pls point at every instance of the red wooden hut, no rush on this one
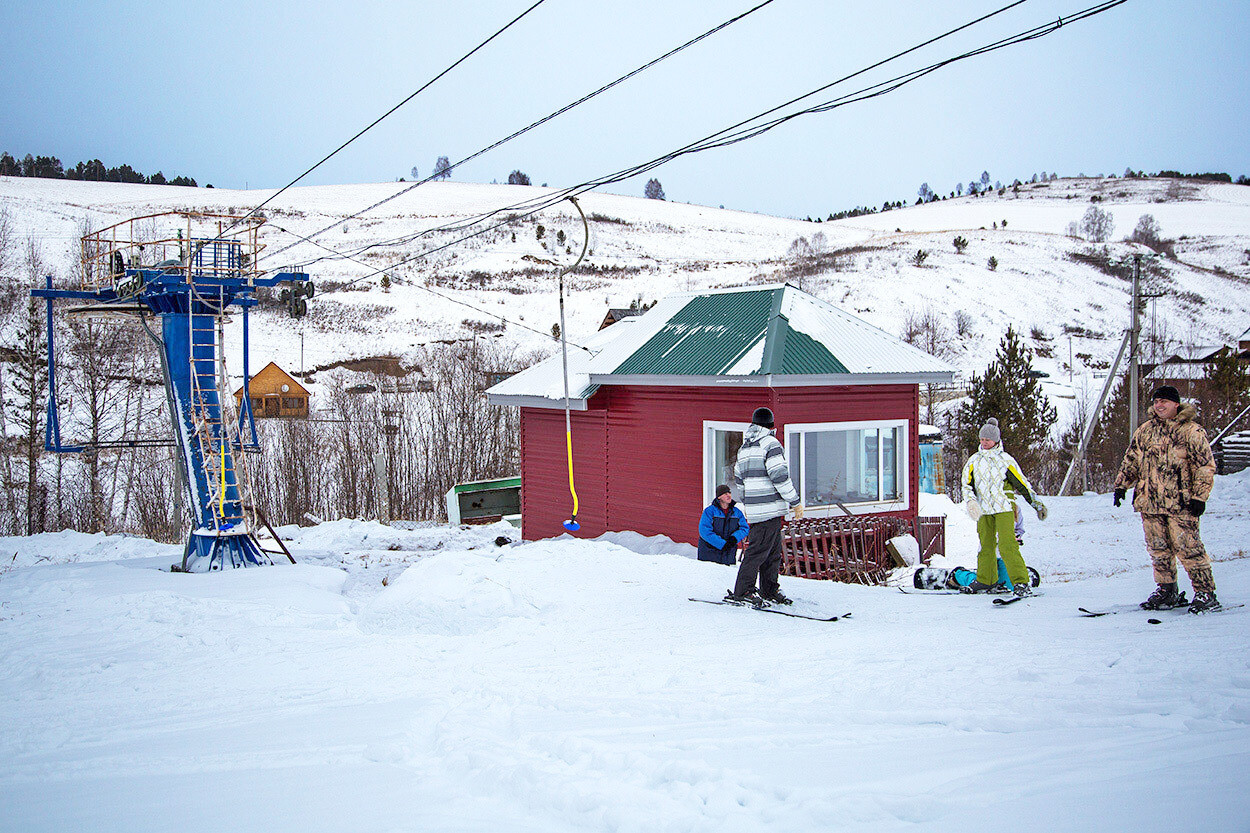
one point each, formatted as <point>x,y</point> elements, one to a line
<point>659,403</point>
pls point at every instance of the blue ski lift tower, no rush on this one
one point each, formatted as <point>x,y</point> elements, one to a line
<point>178,274</point>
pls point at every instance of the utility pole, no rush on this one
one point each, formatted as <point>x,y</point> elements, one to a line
<point>1134,334</point>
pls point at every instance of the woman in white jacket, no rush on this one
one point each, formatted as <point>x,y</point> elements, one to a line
<point>993,478</point>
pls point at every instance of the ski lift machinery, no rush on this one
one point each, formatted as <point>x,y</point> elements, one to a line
<point>187,280</point>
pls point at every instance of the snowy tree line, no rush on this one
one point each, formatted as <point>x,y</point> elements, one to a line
<point>50,167</point>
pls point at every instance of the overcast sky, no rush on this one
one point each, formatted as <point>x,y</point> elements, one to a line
<point>251,94</point>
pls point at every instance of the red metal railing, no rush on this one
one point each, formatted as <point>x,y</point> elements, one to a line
<point>853,549</point>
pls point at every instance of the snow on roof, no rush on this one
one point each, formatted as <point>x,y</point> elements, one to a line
<point>762,336</point>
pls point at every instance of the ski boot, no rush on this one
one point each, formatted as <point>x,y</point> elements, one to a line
<point>752,598</point>
<point>1022,589</point>
<point>778,598</point>
<point>1204,602</point>
<point>1165,597</point>
<point>976,587</point>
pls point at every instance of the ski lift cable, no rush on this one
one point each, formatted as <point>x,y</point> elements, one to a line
<point>441,173</point>
<point>728,135</point>
<point>535,204</point>
<point>454,300</point>
<point>378,120</point>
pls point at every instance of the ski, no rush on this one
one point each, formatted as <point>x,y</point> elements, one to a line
<point>1182,604</point>
<point>1010,600</point>
<point>772,610</point>
<point>916,591</point>
<point>1117,609</point>
<point>1222,608</point>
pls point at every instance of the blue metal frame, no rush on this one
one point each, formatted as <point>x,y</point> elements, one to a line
<point>188,306</point>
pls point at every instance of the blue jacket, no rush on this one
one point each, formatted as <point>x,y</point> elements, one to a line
<point>720,532</point>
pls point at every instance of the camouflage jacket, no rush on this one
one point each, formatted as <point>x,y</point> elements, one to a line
<point>1168,463</point>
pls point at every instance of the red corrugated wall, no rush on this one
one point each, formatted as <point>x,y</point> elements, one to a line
<point>638,453</point>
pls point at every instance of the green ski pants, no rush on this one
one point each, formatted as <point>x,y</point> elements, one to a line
<point>998,532</point>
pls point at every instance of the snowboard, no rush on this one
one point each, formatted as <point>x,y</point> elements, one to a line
<point>938,578</point>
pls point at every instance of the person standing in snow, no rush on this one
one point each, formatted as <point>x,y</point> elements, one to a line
<point>722,529</point>
<point>1171,470</point>
<point>993,478</point>
<point>763,479</point>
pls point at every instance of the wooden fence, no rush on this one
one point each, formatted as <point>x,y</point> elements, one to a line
<point>853,549</point>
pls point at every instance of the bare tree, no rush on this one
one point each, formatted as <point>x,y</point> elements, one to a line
<point>1097,225</point>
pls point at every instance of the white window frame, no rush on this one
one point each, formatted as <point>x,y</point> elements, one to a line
<point>794,445</point>
<point>710,427</point>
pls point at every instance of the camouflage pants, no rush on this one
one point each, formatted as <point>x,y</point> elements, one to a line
<point>1169,537</point>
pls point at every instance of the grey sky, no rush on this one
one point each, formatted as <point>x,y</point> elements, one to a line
<point>237,94</point>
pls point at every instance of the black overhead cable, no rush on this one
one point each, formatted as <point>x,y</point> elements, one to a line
<point>741,130</point>
<point>730,135</point>
<point>375,122</point>
<point>444,171</point>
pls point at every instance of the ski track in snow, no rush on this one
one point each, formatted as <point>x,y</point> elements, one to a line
<point>568,685</point>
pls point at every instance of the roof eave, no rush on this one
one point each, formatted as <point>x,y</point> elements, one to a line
<point>522,401</point>
<point>776,380</point>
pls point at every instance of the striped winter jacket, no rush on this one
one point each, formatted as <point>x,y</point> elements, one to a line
<point>763,476</point>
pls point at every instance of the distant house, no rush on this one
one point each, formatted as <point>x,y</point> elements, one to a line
<point>275,394</point>
<point>615,315</point>
<point>659,403</point>
<point>1186,369</point>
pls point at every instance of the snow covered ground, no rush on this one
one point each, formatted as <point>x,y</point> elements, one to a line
<point>432,679</point>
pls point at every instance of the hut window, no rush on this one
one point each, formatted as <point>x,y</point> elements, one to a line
<point>292,402</point>
<point>849,463</point>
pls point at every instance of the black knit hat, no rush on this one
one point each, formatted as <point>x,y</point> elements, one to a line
<point>762,416</point>
<point>722,489</point>
<point>1166,392</point>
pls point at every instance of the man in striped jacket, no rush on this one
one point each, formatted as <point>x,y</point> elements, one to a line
<point>763,479</point>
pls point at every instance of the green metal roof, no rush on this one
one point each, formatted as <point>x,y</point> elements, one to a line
<point>711,333</point>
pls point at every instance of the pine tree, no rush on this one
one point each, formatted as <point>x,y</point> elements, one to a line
<point>653,190</point>
<point>1226,391</point>
<point>1009,392</point>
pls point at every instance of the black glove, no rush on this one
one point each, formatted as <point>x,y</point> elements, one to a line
<point>1117,497</point>
<point>1197,507</point>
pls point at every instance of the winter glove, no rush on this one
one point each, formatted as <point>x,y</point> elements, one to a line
<point>798,512</point>
<point>974,508</point>
<point>1197,507</point>
<point>1041,510</point>
<point>1117,497</point>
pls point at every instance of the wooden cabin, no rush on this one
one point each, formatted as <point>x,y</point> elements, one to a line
<point>275,393</point>
<point>659,403</point>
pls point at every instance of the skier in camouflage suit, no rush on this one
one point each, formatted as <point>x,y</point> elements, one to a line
<point>1170,468</point>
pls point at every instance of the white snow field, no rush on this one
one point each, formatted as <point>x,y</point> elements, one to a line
<point>568,685</point>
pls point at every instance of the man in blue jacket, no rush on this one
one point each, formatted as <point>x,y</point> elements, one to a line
<point>722,529</point>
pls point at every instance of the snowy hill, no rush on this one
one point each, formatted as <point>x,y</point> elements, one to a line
<point>645,249</point>
<point>434,680</point>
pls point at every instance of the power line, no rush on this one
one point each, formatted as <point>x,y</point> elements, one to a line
<point>374,123</point>
<point>738,132</point>
<point>742,130</point>
<point>539,123</point>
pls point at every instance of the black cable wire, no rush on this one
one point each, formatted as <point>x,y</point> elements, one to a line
<point>446,171</point>
<point>730,135</point>
<point>370,126</point>
<point>740,131</point>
